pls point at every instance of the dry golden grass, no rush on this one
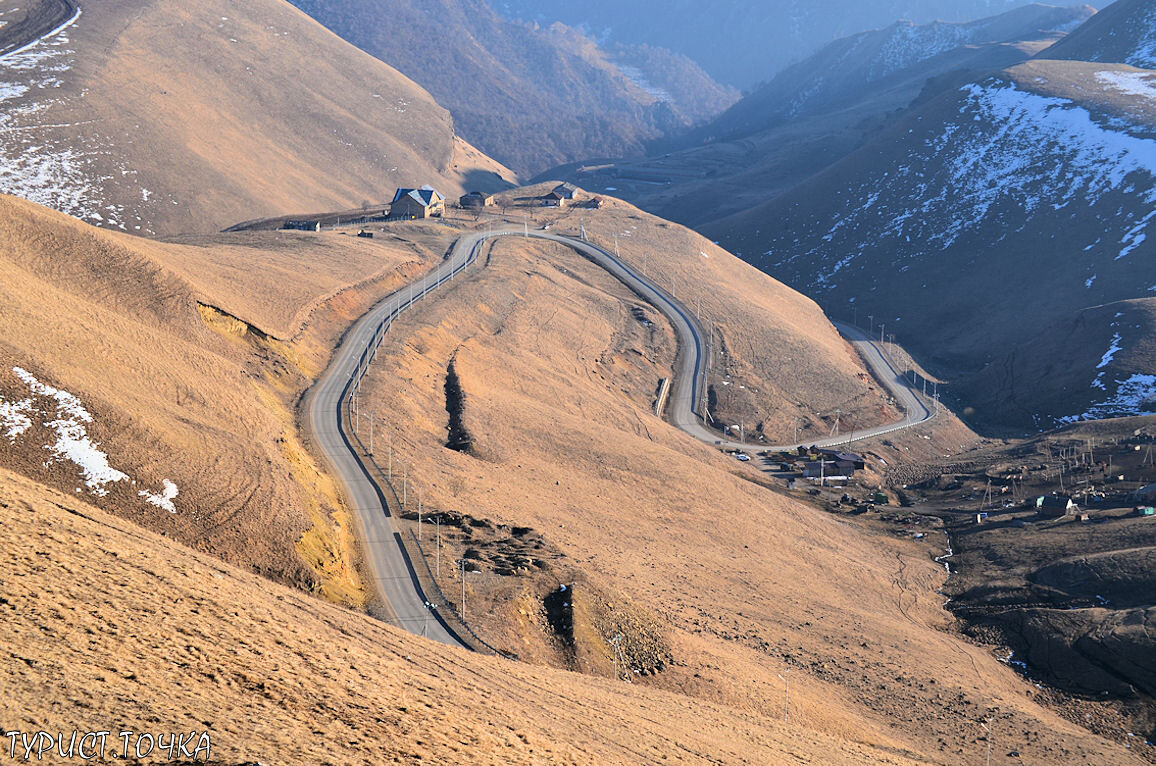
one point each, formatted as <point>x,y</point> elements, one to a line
<point>195,116</point>
<point>766,372</point>
<point>558,377</point>
<point>150,337</point>
<point>111,627</point>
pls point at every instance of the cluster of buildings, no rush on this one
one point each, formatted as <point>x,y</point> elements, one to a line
<point>426,202</point>
<point>823,464</point>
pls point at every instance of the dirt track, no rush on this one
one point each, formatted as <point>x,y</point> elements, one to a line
<point>29,23</point>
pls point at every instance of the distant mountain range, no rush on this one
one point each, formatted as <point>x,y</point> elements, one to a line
<point>530,96</point>
<point>746,42</point>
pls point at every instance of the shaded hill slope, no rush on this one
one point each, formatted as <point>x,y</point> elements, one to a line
<point>981,218</point>
<point>1125,33</point>
<point>531,96</point>
<point>1100,363</point>
<point>159,117</point>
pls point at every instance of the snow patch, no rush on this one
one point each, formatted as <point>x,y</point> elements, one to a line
<point>1135,395</point>
<point>73,444</point>
<point>1113,348</point>
<point>72,440</point>
<point>1139,84</point>
<point>163,500</point>
<point>14,417</point>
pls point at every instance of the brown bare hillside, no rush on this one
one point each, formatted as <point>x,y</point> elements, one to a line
<point>716,583</point>
<point>110,627</point>
<point>189,358</point>
<point>165,117</point>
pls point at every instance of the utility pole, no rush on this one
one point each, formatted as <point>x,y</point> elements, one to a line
<point>616,641</point>
<point>786,691</point>
<point>463,590</point>
<point>419,512</point>
<point>881,326</point>
<point>871,319</point>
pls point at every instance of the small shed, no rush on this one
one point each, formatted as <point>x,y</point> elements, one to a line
<point>476,199</point>
<point>1055,505</point>
<point>417,203</point>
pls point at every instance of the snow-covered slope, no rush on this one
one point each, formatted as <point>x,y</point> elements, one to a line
<point>984,218</point>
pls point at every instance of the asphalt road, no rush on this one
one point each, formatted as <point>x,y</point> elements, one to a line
<point>390,568</point>
<point>37,19</point>
<point>392,572</point>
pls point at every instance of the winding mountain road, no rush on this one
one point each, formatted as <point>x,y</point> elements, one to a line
<point>327,407</point>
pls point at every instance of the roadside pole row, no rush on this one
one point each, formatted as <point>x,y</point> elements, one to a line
<point>406,298</point>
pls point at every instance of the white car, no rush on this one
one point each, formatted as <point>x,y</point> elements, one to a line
<point>743,458</point>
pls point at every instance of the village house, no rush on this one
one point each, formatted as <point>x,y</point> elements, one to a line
<point>1055,505</point>
<point>417,203</point>
<point>476,199</point>
<point>565,190</point>
<point>856,462</point>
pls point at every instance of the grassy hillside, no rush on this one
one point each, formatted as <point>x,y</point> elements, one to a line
<point>111,625</point>
<point>158,117</point>
<point>570,480</point>
<point>530,96</point>
<point>187,361</point>
<point>188,358</point>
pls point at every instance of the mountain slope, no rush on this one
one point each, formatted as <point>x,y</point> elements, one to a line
<point>1124,33</point>
<point>531,97</point>
<point>128,366</point>
<point>981,218</point>
<point>175,640</point>
<point>161,117</point>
